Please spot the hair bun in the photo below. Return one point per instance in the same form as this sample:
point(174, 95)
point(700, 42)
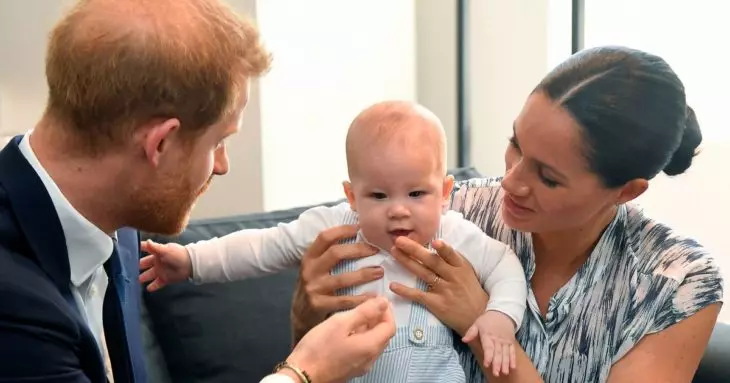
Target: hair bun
point(691, 139)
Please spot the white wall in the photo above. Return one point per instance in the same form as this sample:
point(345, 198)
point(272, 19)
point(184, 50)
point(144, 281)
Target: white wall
point(508, 47)
point(332, 58)
point(695, 203)
point(24, 26)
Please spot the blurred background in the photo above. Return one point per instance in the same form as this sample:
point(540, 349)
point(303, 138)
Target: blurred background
point(473, 62)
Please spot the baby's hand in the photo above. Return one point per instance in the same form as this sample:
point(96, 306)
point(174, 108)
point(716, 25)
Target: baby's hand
point(497, 334)
point(166, 264)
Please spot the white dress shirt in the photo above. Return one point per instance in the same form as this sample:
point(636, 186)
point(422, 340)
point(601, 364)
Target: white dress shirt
point(88, 248)
point(278, 378)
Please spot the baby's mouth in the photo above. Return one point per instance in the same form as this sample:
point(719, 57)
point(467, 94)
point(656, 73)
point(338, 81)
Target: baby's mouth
point(400, 232)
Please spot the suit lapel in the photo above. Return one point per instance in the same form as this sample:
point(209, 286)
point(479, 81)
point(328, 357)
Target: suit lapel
point(36, 215)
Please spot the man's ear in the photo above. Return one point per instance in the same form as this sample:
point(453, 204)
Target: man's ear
point(632, 190)
point(155, 138)
point(347, 187)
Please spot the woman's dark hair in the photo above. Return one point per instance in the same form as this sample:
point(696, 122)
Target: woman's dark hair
point(632, 109)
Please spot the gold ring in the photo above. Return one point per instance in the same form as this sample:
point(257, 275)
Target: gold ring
point(435, 280)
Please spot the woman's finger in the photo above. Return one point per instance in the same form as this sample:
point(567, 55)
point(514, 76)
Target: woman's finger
point(412, 294)
point(447, 253)
point(329, 237)
point(420, 254)
point(332, 283)
point(419, 270)
point(338, 253)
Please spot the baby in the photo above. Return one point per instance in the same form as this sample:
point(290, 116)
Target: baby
point(396, 159)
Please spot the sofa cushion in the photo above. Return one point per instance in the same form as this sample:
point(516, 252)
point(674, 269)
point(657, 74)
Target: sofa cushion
point(232, 332)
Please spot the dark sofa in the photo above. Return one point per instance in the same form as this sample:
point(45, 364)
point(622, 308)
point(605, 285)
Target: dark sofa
point(236, 332)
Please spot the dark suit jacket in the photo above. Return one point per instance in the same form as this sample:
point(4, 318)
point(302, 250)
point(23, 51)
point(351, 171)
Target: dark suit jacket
point(43, 337)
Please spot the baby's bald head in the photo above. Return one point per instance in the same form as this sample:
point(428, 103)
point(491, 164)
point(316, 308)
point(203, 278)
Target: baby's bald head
point(399, 125)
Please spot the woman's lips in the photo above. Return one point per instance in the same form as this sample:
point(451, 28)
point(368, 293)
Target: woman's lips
point(515, 209)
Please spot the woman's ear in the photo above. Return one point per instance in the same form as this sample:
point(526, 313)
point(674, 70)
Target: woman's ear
point(347, 187)
point(632, 190)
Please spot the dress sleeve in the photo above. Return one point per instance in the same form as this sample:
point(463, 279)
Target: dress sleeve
point(479, 200)
point(701, 286)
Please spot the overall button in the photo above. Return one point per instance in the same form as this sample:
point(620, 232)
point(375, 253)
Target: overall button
point(418, 334)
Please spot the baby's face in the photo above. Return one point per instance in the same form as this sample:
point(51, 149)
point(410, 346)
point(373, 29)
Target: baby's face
point(399, 193)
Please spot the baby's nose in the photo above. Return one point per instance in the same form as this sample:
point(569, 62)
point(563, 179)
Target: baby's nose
point(398, 211)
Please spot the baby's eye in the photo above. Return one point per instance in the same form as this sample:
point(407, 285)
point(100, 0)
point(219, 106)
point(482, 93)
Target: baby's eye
point(378, 195)
point(416, 194)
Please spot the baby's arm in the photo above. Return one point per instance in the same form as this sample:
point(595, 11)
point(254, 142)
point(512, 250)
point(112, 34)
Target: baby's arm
point(255, 252)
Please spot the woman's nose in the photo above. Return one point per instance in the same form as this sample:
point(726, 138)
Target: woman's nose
point(512, 182)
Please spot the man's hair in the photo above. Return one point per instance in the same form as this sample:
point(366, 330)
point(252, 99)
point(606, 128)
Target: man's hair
point(113, 65)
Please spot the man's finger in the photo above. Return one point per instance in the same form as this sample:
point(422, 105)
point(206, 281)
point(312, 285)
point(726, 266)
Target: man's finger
point(447, 253)
point(352, 278)
point(148, 275)
point(377, 338)
point(328, 237)
point(368, 314)
point(333, 304)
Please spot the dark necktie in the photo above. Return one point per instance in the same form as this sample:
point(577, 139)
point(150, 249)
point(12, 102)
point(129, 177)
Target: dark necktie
point(114, 330)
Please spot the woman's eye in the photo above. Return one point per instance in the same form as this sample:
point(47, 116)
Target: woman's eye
point(548, 182)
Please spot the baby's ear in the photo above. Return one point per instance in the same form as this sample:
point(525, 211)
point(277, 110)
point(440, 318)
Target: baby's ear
point(347, 187)
point(448, 187)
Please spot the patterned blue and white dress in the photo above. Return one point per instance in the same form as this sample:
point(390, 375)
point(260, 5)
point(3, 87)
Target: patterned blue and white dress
point(640, 279)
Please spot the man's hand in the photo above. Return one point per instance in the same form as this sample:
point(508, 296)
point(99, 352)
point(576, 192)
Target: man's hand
point(167, 264)
point(347, 344)
point(497, 334)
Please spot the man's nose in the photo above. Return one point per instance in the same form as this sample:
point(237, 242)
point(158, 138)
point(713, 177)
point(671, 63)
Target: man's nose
point(220, 161)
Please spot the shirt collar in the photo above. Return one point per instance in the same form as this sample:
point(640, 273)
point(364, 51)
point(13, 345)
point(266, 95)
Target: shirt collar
point(88, 246)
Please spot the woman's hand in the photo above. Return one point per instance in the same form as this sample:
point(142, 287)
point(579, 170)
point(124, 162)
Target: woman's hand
point(315, 294)
point(454, 295)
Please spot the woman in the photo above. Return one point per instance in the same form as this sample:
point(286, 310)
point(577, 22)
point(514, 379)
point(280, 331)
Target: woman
point(614, 295)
